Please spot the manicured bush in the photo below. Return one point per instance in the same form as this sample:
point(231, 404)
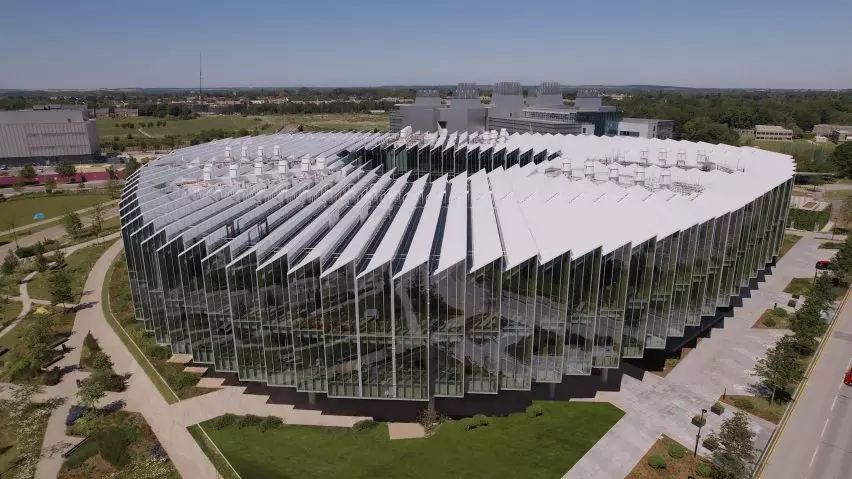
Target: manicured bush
point(52, 376)
point(704, 470)
point(699, 421)
point(112, 444)
point(116, 383)
point(710, 442)
point(481, 420)
point(717, 408)
point(657, 461)
point(159, 352)
point(534, 411)
point(467, 424)
point(182, 380)
point(274, 422)
point(76, 412)
point(769, 321)
point(779, 312)
point(225, 420)
point(249, 420)
point(81, 455)
point(365, 425)
point(677, 451)
point(744, 403)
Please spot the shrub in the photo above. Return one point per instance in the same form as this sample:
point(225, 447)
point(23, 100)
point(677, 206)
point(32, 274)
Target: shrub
point(677, 451)
point(710, 442)
point(717, 408)
point(779, 312)
point(182, 380)
point(699, 421)
point(704, 470)
point(791, 303)
point(114, 406)
point(796, 296)
point(112, 444)
point(159, 352)
point(249, 420)
point(52, 376)
point(81, 455)
point(225, 420)
point(744, 403)
point(158, 453)
point(657, 461)
point(274, 422)
point(534, 411)
point(365, 425)
point(481, 420)
point(116, 383)
point(76, 412)
point(769, 321)
point(91, 343)
point(467, 424)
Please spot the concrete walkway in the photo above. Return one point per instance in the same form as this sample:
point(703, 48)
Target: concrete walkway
point(723, 362)
point(26, 302)
point(53, 233)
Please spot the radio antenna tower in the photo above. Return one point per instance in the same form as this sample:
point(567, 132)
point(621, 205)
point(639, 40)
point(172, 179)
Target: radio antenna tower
point(199, 78)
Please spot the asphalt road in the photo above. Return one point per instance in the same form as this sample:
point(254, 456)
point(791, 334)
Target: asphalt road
point(817, 440)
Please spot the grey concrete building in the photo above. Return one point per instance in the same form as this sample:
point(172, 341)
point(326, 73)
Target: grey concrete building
point(824, 129)
point(126, 112)
point(772, 132)
point(641, 128)
point(840, 136)
point(429, 113)
point(47, 136)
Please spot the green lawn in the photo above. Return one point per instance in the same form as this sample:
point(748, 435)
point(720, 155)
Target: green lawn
point(789, 242)
point(803, 149)
point(61, 323)
point(107, 126)
point(20, 210)
point(799, 285)
point(777, 318)
point(759, 406)
point(837, 194)
point(338, 121)
point(9, 312)
point(79, 262)
point(830, 245)
point(11, 435)
point(515, 446)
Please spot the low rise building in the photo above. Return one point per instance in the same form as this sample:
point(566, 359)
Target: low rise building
point(840, 136)
point(641, 128)
point(47, 136)
point(772, 132)
point(126, 112)
point(825, 129)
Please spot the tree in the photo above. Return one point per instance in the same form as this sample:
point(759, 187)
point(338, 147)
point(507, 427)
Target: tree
point(704, 129)
point(27, 173)
point(10, 263)
point(91, 391)
point(58, 257)
point(735, 453)
point(41, 262)
point(49, 185)
point(846, 211)
point(66, 169)
point(101, 362)
point(59, 287)
point(841, 158)
point(97, 219)
point(817, 181)
point(35, 337)
point(73, 225)
point(113, 186)
point(131, 166)
point(780, 367)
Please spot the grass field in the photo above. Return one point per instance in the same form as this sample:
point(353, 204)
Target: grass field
point(31, 437)
point(837, 194)
point(108, 127)
point(789, 242)
point(798, 148)
point(9, 312)
point(515, 446)
point(777, 318)
point(20, 210)
point(79, 262)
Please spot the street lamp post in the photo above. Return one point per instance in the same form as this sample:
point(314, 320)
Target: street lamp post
point(698, 436)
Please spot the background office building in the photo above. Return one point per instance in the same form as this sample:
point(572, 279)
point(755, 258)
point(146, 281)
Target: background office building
point(641, 128)
point(426, 267)
point(47, 136)
point(543, 111)
point(772, 132)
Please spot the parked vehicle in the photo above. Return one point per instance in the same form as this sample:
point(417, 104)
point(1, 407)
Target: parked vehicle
point(848, 379)
point(823, 264)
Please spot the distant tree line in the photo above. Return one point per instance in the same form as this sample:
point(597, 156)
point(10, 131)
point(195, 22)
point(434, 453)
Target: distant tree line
point(312, 108)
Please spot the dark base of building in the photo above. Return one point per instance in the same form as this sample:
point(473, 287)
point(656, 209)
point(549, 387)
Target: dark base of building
point(506, 402)
point(51, 160)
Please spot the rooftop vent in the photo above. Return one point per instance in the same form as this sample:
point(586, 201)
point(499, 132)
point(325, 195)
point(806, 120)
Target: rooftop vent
point(276, 150)
point(282, 167)
point(260, 152)
point(681, 158)
point(613, 172)
point(258, 169)
point(232, 171)
point(566, 166)
point(244, 153)
point(662, 157)
point(306, 163)
point(227, 152)
point(643, 155)
point(208, 172)
point(639, 175)
point(666, 179)
point(320, 165)
point(589, 170)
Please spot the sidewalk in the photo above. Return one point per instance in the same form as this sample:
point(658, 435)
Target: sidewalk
point(724, 361)
point(26, 303)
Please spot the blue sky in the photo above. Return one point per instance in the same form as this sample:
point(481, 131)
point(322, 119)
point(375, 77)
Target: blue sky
point(154, 43)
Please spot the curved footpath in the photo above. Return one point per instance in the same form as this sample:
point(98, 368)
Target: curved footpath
point(141, 394)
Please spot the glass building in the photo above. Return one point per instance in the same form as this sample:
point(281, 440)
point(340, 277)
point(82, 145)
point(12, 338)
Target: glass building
point(411, 266)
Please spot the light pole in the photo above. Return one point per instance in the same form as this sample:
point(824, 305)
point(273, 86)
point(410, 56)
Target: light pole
point(698, 436)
